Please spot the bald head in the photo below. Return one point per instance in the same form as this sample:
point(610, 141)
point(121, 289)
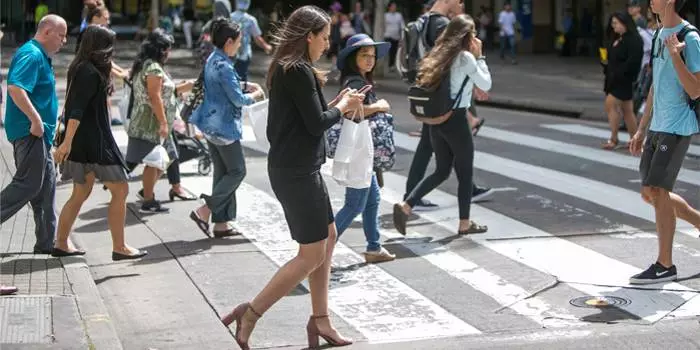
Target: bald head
point(51, 33)
point(50, 22)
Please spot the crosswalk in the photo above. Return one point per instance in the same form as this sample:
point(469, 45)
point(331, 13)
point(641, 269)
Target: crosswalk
point(571, 230)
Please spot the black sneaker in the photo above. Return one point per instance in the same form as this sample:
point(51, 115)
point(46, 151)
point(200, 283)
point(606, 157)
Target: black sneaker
point(656, 273)
point(481, 193)
point(425, 205)
point(153, 207)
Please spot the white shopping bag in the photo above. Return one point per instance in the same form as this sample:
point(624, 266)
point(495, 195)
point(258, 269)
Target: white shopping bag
point(257, 113)
point(158, 158)
point(124, 104)
point(354, 155)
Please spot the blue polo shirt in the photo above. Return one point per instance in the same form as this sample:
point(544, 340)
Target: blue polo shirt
point(31, 70)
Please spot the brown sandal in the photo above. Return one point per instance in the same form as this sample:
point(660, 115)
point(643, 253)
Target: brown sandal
point(610, 145)
point(473, 228)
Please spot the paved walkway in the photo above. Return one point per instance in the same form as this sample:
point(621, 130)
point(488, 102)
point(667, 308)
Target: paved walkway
point(542, 83)
point(57, 305)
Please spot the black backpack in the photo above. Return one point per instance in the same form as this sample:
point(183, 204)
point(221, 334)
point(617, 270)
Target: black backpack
point(425, 103)
point(412, 47)
point(688, 28)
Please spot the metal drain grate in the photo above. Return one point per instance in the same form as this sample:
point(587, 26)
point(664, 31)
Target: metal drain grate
point(25, 320)
point(597, 302)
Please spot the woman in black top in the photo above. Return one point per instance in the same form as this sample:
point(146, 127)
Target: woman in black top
point(297, 120)
point(625, 54)
point(88, 150)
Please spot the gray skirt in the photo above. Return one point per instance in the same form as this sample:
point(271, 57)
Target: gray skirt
point(138, 149)
point(75, 171)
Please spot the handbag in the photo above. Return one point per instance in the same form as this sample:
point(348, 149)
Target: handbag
point(195, 99)
point(352, 166)
point(257, 114)
point(382, 127)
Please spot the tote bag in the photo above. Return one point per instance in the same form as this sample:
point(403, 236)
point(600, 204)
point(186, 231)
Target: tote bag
point(354, 155)
point(257, 114)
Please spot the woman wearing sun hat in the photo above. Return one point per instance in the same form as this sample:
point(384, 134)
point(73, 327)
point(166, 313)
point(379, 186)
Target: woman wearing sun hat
point(356, 63)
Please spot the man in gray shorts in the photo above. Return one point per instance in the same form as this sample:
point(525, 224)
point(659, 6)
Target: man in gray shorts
point(672, 125)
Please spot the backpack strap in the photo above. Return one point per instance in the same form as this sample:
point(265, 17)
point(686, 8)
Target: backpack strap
point(653, 47)
point(459, 93)
point(423, 43)
point(687, 29)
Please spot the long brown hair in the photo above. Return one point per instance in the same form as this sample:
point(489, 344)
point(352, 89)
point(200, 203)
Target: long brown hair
point(97, 47)
point(453, 40)
point(292, 47)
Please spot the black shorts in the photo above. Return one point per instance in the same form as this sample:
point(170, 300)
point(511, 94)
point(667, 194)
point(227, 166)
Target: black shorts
point(305, 201)
point(662, 158)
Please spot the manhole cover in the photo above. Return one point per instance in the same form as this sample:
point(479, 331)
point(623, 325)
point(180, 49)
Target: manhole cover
point(597, 302)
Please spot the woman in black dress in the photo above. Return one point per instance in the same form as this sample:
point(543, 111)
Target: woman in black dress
point(297, 120)
point(88, 150)
point(625, 54)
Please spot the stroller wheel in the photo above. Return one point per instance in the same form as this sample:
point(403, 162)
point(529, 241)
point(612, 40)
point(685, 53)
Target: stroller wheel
point(204, 167)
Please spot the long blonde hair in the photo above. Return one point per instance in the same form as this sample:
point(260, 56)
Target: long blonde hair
point(453, 40)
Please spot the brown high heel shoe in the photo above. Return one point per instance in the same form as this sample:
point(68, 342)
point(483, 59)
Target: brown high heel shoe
point(313, 334)
point(237, 316)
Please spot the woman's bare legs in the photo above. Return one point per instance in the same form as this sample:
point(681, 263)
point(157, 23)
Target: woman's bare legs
point(629, 116)
point(70, 212)
point(116, 216)
point(611, 104)
point(150, 177)
point(318, 283)
point(309, 258)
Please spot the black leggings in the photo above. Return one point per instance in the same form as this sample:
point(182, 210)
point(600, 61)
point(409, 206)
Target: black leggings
point(453, 145)
point(392, 50)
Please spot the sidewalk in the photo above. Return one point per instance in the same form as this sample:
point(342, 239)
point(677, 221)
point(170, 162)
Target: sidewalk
point(58, 305)
point(570, 87)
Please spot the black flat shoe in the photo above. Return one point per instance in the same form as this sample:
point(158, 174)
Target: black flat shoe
point(138, 255)
point(58, 253)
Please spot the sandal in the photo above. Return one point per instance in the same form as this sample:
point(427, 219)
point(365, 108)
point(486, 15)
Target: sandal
point(203, 225)
point(610, 145)
point(474, 228)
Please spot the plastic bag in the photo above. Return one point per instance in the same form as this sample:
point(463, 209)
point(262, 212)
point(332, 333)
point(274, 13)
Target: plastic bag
point(123, 104)
point(354, 155)
point(158, 158)
point(257, 113)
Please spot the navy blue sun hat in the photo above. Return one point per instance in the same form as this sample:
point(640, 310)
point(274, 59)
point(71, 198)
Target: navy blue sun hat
point(358, 41)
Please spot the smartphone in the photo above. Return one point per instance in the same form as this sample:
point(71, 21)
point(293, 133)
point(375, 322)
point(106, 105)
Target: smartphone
point(337, 97)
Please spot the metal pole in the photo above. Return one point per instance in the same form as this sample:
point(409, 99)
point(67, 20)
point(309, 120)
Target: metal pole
point(155, 16)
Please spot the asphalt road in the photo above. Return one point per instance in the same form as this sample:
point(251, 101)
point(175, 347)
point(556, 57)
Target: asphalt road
point(565, 224)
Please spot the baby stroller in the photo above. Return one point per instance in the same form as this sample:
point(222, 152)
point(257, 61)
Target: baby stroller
point(190, 146)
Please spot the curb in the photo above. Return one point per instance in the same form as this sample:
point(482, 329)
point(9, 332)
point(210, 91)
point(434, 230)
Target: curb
point(98, 325)
point(494, 101)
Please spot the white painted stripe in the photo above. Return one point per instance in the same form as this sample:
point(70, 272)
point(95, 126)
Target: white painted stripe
point(380, 306)
point(600, 193)
point(601, 133)
point(558, 257)
point(567, 261)
point(505, 293)
point(597, 155)
point(689, 309)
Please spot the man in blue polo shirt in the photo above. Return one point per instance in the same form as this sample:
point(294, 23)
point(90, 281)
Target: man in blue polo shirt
point(675, 80)
point(30, 123)
point(250, 31)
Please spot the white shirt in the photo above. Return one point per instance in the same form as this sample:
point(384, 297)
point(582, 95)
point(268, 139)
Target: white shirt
point(478, 72)
point(507, 21)
point(647, 37)
point(393, 25)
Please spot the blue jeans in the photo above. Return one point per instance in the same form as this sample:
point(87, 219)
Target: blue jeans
point(510, 40)
point(363, 201)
